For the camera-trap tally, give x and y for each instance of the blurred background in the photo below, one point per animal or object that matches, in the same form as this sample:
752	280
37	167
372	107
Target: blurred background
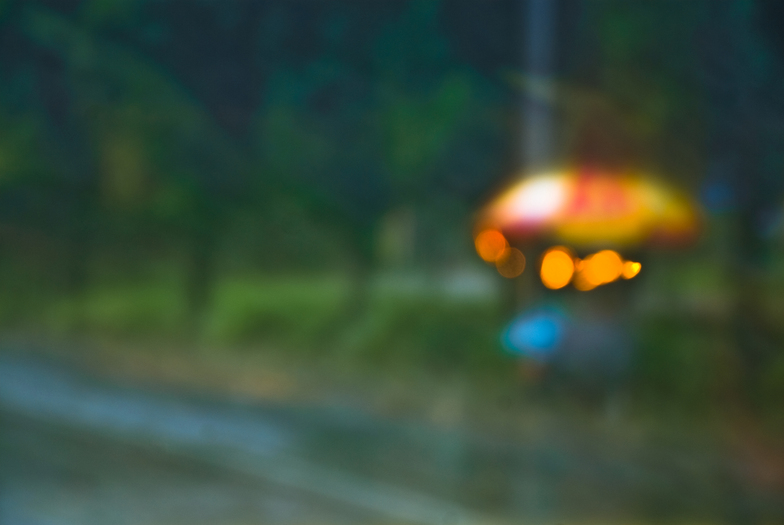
240	282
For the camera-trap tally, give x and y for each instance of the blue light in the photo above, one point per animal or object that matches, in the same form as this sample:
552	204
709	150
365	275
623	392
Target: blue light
536	335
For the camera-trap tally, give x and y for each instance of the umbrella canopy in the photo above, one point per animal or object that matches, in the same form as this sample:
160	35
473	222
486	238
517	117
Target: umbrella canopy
591	208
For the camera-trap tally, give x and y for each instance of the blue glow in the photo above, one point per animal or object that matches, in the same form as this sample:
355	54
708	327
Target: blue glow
537	334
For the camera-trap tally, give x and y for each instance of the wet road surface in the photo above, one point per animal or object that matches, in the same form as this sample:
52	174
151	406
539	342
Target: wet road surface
76	450
57	476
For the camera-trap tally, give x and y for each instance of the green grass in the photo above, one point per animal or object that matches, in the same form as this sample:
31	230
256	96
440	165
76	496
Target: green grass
295	311
131	310
309	316
434	332
315	315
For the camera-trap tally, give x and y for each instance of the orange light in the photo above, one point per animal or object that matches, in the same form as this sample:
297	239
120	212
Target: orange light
557	268
511	263
600	268
491	245
603	267
631	269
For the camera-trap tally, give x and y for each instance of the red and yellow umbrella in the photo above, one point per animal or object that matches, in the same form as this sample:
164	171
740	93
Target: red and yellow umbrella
585	208
590	208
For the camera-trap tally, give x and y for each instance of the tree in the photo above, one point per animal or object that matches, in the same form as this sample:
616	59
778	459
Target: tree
149	146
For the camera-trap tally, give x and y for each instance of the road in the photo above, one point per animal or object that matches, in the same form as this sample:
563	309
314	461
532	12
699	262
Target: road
55	475
78	450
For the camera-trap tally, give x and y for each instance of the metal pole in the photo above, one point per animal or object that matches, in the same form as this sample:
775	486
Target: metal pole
538	122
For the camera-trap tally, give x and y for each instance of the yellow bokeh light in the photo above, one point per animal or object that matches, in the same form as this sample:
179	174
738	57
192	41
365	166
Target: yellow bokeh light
603	267
557	268
491	245
511	263
631	269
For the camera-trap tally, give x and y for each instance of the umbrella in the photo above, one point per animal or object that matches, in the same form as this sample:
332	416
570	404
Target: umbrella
593	208
585	208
